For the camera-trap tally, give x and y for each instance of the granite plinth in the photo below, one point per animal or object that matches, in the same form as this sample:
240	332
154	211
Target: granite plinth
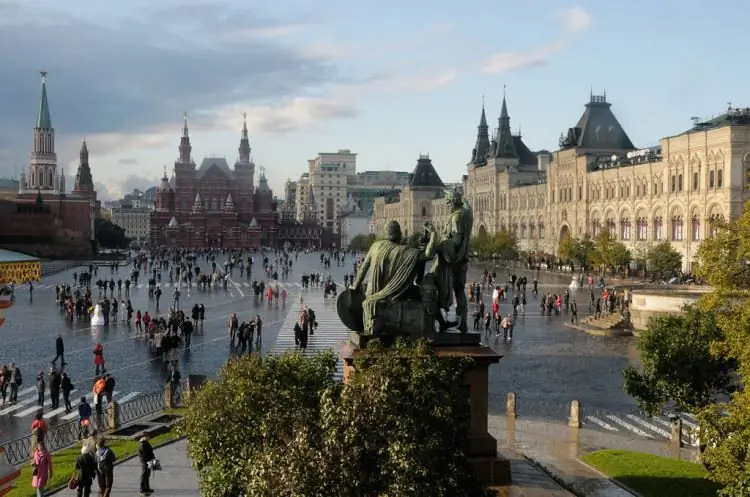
490	467
445	339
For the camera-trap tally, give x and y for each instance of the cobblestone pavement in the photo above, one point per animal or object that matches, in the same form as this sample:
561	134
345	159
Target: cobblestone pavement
546	364
28	339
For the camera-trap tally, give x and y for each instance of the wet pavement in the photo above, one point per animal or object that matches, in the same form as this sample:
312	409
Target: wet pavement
28	339
547	364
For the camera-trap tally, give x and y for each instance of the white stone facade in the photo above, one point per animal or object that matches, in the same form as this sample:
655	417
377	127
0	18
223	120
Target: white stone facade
598	180
136	221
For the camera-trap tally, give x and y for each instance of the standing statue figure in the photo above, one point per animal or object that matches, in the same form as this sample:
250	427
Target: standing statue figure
453	258
393	271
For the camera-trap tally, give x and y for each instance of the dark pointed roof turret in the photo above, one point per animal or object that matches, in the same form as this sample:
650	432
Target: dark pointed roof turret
482	146
504	144
424	174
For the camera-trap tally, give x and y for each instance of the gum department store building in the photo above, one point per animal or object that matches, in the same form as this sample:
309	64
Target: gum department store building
596	180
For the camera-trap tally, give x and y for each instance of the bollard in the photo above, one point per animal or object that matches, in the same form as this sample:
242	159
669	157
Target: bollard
113	415
574	421
510	406
168	401
676	437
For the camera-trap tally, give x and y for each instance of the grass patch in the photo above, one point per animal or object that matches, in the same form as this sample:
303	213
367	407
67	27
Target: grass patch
64	462
653	476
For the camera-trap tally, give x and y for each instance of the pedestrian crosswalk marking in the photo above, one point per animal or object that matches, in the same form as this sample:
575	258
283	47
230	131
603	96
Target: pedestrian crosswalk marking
650	426
601	423
630	427
330	334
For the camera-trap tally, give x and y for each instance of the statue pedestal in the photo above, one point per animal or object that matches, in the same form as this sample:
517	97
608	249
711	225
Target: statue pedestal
489	467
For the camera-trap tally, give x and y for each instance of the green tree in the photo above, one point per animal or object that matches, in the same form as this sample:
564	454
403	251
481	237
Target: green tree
578	250
663	260
362	243
609	253
504	245
109	235
678	366
281	425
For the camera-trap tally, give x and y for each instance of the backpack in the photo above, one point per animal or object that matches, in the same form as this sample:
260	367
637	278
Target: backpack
102	460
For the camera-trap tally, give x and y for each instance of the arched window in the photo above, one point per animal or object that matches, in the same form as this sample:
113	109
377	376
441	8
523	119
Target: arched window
711	180
720	178
658	228
642	231
695	228
677	228
625	229
596	227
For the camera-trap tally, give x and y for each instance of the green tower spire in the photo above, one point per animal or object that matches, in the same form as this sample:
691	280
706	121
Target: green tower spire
43	120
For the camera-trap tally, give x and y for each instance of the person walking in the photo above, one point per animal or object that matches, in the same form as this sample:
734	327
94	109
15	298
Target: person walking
105	467
60	351
67	387
84	418
99	359
85	471
42	469
146	455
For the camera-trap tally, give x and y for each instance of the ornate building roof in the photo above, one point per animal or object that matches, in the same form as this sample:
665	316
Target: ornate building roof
424	174
43	120
597	128
84	181
482	146
219	163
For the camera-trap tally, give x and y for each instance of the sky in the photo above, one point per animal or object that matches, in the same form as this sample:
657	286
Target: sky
389	80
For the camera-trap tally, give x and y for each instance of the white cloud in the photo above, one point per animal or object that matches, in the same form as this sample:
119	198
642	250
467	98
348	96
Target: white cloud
327	51
575	21
277	31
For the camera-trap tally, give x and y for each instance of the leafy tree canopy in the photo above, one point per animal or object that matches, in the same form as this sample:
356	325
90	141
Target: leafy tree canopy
362	243
579	250
110	235
678	366
722	262
663	260
501	244
282	426
609	252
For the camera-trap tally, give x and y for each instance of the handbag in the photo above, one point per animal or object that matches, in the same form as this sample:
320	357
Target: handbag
154	465
73	482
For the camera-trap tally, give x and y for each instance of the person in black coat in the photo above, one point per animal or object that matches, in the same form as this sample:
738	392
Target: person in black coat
146	455
85	471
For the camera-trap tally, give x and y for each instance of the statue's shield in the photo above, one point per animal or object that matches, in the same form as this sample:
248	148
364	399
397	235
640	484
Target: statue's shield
349	308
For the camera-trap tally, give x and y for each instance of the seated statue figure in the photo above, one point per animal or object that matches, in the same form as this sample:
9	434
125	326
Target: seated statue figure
392	271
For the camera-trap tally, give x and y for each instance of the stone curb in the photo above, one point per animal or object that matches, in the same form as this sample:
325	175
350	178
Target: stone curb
600	331
573	487
622	486
117	463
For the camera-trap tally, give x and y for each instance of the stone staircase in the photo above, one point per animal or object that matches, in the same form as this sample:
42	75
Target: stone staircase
607	324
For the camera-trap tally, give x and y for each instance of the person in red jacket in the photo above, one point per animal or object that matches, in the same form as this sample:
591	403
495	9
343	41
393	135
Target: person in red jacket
99	359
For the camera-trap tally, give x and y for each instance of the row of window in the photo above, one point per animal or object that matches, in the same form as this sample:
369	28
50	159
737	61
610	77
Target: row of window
676	185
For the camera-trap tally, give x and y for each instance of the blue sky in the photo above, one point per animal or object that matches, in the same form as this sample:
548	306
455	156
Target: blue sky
389	80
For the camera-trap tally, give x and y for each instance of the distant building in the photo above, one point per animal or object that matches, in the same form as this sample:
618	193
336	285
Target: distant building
214	205
323	189
353	224
43	218
135	220
290	193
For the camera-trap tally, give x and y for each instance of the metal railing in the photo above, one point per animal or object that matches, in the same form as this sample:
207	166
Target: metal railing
60	436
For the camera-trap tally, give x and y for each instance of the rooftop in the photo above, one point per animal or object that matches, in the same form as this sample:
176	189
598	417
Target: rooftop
733	116
8	256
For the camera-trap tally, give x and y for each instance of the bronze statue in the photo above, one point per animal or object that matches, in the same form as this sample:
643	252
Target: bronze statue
453	258
392	269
